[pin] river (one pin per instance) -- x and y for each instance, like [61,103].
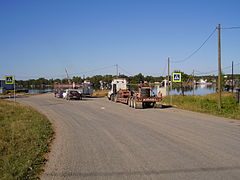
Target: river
[196,90]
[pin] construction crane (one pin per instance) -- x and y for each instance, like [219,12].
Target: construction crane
[69,81]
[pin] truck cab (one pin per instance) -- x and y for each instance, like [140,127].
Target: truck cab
[117,85]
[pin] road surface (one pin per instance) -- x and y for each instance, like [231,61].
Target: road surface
[100,139]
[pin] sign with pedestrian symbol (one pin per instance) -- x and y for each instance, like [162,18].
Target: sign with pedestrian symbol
[9,79]
[176,77]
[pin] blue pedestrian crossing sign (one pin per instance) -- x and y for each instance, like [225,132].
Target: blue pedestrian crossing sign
[177,77]
[9,79]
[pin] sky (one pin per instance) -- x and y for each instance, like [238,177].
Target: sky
[40,38]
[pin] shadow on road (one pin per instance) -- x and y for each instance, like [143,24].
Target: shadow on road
[92,97]
[166,106]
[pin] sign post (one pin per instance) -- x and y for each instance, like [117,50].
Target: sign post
[176,77]
[11,80]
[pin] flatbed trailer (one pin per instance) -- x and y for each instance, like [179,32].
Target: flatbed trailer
[140,103]
[122,96]
[138,100]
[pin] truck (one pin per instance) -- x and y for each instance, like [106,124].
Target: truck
[142,98]
[86,88]
[117,85]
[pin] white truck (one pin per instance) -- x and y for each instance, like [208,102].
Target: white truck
[116,85]
[86,88]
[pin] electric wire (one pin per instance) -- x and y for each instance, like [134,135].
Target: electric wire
[213,71]
[64,75]
[164,70]
[236,27]
[194,52]
[94,70]
[123,69]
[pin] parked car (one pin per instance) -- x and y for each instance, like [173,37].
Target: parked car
[72,94]
[58,93]
[64,94]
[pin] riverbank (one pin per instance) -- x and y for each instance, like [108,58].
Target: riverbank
[100,93]
[208,104]
[25,135]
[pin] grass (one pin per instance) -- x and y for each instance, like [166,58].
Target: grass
[100,93]
[208,104]
[25,135]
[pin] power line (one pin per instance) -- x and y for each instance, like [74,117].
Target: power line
[203,73]
[63,75]
[94,70]
[194,52]
[164,70]
[123,69]
[209,72]
[236,27]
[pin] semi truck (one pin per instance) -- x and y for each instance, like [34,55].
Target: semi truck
[144,97]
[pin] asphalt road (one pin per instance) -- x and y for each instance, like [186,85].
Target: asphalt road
[99,139]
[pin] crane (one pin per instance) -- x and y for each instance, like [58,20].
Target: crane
[69,81]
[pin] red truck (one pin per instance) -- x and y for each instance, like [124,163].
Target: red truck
[142,98]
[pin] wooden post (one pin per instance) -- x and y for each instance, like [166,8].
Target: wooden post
[193,83]
[232,78]
[170,80]
[219,69]
[168,77]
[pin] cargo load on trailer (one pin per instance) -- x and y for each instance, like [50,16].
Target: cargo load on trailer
[142,98]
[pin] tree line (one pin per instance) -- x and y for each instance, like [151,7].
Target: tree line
[95,80]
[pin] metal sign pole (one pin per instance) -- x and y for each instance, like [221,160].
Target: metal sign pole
[11,80]
[14,91]
[171,92]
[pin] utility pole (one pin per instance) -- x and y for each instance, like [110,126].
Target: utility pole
[219,69]
[168,81]
[14,89]
[168,77]
[117,69]
[193,83]
[232,78]
[170,86]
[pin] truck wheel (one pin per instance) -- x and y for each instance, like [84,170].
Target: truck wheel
[138,106]
[115,98]
[134,103]
[129,102]
[158,105]
[112,97]
[130,105]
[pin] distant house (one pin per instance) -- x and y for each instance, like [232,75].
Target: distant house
[202,81]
